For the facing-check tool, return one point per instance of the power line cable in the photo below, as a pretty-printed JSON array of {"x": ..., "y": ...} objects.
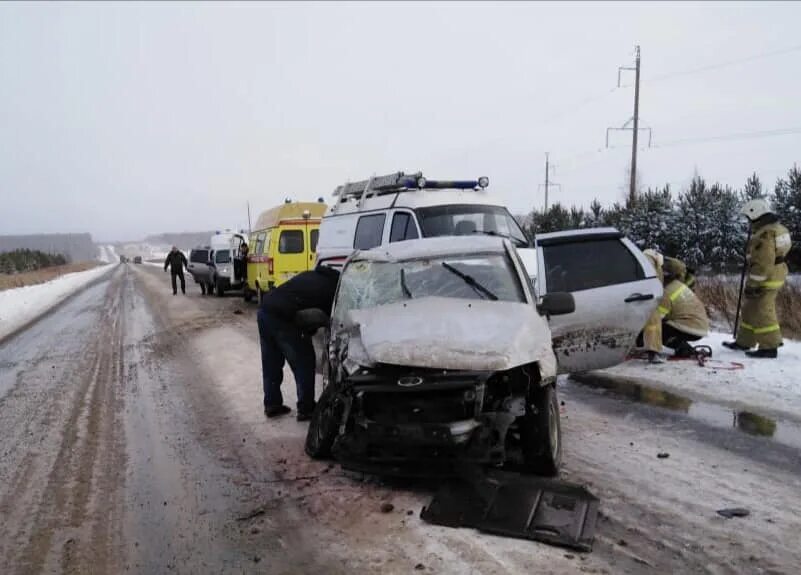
[
  {"x": 720, "y": 65},
  {"x": 730, "y": 137}
]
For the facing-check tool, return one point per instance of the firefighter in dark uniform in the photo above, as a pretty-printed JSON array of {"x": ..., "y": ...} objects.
[
  {"x": 176, "y": 261},
  {"x": 767, "y": 270},
  {"x": 283, "y": 341}
]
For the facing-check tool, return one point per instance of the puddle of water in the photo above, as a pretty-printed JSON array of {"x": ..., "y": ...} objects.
[{"x": 779, "y": 430}]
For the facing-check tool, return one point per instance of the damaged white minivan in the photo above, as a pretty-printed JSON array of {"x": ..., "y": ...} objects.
[{"x": 439, "y": 353}]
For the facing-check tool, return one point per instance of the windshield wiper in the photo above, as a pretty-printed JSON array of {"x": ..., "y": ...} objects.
[
  {"x": 518, "y": 242},
  {"x": 470, "y": 280},
  {"x": 404, "y": 288}
]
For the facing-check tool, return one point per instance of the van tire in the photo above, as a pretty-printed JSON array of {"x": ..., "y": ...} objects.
[
  {"x": 247, "y": 295},
  {"x": 541, "y": 432},
  {"x": 324, "y": 424}
]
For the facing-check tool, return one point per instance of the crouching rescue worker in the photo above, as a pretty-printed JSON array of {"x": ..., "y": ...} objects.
[
  {"x": 766, "y": 271},
  {"x": 284, "y": 341},
  {"x": 651, "y": 336},
  {"x": 176, "y": 261},
  {"x": 683, "y": 315}
]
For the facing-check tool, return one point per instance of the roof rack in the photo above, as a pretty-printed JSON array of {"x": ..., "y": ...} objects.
[{"x": 398, "y": 182}]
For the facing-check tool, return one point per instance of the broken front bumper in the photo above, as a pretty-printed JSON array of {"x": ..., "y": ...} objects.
[{"x": 425, "y": 424}]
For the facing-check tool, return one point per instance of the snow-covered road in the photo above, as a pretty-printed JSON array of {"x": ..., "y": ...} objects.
[{"x": 19, "y": 306}]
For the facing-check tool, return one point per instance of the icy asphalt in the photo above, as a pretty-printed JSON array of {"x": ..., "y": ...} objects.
[{"x": 132, "y": 439}]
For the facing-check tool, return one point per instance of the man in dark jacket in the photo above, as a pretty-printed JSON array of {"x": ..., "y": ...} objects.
[
  {"x": 283, "y": 341},
  {"x": 176, "y": 261}
]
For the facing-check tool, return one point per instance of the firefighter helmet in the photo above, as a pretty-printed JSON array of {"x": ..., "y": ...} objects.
[{"x": 755, "y": 209}]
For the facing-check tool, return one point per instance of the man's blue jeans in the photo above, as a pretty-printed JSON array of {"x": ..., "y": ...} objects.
[{"x": 283, "y": 341}]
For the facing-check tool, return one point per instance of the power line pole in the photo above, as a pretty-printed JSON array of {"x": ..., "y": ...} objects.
[
  {"x": 632, "y": 124},
  {"x": 548, "y": 183},
  {"x": 633, "y": 182}
]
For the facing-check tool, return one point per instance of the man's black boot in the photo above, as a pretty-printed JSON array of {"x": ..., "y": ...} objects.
[
  {"x": 305, "y": 414},
  {"x": 276, "y": 410}
]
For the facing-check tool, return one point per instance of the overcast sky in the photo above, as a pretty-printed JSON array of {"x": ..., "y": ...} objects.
[{"x": 124, "y": 120}]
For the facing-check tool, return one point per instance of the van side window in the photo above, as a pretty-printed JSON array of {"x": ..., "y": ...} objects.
[
  {"x": 403, "y": 228},
  {"x": 199, "y": 256},
  {"x": 577, "y": 266},
  {"x": 314, "y": 237},
  {"x": 290, "y": 242},
  {"x": 369, "y": 231},
  {"x": 259, "y": 244}
]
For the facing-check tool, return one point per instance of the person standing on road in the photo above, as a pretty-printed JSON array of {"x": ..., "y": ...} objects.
[
  {"x": 176, "y": 261},
  {"x": 243, "y": 255},
  {"x": 283, "y": 341},
  {"x": 766, "y": 268}
]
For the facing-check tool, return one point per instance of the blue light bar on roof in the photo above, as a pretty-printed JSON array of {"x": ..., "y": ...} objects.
[
  {"x": 450, "y": 184},
  {"x": 399, "y": 181}
]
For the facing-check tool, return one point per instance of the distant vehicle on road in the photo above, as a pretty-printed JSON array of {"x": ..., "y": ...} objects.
[
  {"x": 228, "y": 261},
  {"x": 283, "y": 244},
  {"x": 201, "y": 269},
  {"x": 137, "y": 259}
]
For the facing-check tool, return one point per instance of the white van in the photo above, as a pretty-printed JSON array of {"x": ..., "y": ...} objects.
[
  {"x": 228, "y": 260},
  {"x": 397, "y": 207}
]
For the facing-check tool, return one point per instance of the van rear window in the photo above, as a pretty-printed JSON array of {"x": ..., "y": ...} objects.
[
  {"x": 199, "y": 256},
  {"x": 290, "y": 242},
  {"x": 584, "y": 265},
  {"x": 314, "y": 237}
]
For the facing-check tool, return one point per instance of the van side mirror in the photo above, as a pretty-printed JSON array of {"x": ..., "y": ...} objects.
[
  {"x": 557, "y": 303},
  {"x": 311, "y": 319}
]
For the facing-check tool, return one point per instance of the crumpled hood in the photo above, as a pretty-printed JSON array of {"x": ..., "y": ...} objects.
[{"x": 450, "y": 333}]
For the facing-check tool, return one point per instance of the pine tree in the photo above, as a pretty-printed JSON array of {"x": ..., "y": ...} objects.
[
  {"x": 752, "y": 189},
  {"x": 595, "y": 217},
  {"x": 787, "y": 204},
  {"x": 651, "y": 222}
]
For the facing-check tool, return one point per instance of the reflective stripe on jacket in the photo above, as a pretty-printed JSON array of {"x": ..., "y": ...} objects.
[{"x": 682, "y": 309}]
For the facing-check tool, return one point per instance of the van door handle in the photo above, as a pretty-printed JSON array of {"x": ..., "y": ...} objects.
[{"x": 639, "y": 297}]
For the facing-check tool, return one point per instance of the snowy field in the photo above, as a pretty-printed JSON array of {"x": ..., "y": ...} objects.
[
  {"x": 21, "y": 305},
  {"x": 770, "y": 385}
]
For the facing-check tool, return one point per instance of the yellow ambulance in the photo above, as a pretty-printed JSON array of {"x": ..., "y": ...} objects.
[{"x": 282, "y": 244}]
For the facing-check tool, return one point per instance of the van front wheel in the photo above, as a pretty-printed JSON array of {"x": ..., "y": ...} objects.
[{"x": 324, "y": 424}]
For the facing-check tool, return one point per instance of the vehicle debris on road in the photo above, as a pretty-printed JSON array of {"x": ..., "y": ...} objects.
[{"x": 515, "y": 505}]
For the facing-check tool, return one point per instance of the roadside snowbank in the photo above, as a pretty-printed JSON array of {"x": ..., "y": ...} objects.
[
  {"x": 19, "y": 306},
  {"x": 769, "y": 385}
]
